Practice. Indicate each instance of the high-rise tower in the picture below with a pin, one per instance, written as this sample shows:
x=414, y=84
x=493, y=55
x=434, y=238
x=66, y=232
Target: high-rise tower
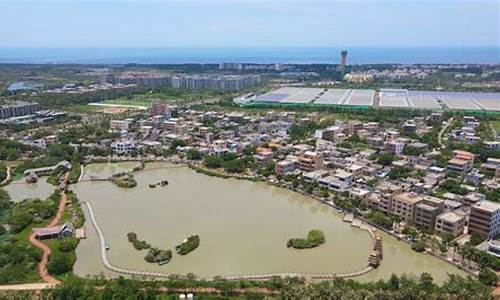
x=343, y=61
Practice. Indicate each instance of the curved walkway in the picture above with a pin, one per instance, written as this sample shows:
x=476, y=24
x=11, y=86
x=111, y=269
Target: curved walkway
x=108, y=265
x=42, y=266
x=82, y=169
x=7, y=179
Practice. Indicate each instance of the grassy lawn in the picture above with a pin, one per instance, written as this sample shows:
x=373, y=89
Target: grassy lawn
x=82, y=108
x=496, y=125
x=134, y=102
x=174, y=96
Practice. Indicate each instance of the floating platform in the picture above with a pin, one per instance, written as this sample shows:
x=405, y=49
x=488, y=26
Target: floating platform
x=356, y=223
x=80, y=233
x=348, y=218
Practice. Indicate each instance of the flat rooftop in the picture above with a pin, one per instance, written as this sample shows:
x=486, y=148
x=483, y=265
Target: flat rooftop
x=290, y=95
x=451, y=217
x=389, y=98
x=487, y=205
x=411, y=198
x=319, y=96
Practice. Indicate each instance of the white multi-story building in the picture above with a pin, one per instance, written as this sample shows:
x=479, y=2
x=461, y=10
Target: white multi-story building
x=123, y=147
x=339, y=182
x=485, y=218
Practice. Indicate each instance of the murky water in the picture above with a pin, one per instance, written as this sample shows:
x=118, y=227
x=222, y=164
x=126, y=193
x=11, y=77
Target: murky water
x=243, y=228
x=20, y=190
x=104, y=170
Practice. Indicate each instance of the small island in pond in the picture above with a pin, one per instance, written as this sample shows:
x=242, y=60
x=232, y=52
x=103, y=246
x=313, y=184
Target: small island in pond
x=154, y=255
x=159, y=256
x=124, y=180
x=138, y=244
x=314, y=238
x=161, y=183
x=188, y=245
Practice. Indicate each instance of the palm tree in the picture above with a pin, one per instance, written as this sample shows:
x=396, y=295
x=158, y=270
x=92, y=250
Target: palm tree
x=455, y=246
x=462, y=253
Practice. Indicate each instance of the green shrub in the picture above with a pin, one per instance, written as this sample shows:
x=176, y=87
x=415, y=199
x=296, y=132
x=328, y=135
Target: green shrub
x=138, y=244
x=68, y=244
x=156, y=255
x=60, y=263
x=188, y=245
x=314, y=238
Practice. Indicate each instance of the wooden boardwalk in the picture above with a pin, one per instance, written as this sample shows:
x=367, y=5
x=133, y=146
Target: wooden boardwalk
x=110, y=266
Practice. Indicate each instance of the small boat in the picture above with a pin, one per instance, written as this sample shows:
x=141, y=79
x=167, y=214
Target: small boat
x=164, y=182
x=151, y=185
x=163, y=262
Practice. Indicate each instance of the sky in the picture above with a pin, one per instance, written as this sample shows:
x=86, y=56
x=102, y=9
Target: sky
x=248, y=23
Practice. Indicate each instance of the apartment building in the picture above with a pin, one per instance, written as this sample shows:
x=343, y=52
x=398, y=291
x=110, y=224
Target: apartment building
x=119, y=125
x=461, y=163
x=331, y=133
x=286, y=166
x=404, y=204
x=427, y=211
x=380, y=202
x=451, y=222
x=310, y=161
x=394, y=147
x=473, y=198
x=484, y=218
x=123, y=147
x=342, y=180
x=17, y=109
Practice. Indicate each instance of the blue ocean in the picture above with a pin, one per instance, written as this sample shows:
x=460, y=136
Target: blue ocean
x=294, y=55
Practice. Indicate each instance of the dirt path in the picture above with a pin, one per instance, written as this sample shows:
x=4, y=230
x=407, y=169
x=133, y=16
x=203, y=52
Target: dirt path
x=494, y=132
x=42, y=266
x=440, y=135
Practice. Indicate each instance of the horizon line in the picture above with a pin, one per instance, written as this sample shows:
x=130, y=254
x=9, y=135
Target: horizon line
x=240, y=47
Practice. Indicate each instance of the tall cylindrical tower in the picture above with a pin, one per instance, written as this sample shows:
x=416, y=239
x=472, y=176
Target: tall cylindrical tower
x=343, y=61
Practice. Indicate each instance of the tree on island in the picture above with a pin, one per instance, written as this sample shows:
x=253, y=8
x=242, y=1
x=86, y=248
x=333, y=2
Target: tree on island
x=314, y=238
